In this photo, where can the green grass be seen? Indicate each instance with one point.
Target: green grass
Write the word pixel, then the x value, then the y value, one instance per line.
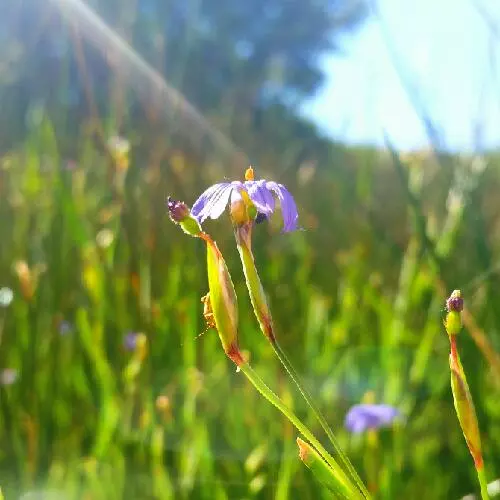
pixel 356 314
pixel 357 301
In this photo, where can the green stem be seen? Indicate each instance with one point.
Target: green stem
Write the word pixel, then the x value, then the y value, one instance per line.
pixel 263 313
pixel 350 490
pixel 482 482
pixel 345 462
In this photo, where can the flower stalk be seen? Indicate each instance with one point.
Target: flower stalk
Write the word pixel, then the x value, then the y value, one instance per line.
pixel 243 236
pixel 252 202
pixel 462 398
pixel 338 476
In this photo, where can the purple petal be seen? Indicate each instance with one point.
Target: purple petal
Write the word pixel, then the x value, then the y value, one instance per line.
pixel 212 202
pixel 130 341
pixel 365 416
pixel 261 196
pixel 288 206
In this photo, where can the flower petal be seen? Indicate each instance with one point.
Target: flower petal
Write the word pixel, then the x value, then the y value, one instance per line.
pixel 288 206
pixel 212 202
pixel 369 416
pixel 261 196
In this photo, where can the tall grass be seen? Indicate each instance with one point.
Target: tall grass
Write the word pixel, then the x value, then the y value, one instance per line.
pixel 357 301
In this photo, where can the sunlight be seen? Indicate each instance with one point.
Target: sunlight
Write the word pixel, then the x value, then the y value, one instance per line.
pixel 146 81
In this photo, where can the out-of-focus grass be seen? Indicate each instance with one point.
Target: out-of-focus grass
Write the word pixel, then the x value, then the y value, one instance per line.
pixel 357 308
pixel 357 299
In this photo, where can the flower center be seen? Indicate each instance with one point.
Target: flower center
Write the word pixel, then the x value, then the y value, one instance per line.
pixel 249 174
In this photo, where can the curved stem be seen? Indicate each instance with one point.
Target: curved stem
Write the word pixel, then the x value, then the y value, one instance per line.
pixel 263 314
pixel 350 491
pixel 317 413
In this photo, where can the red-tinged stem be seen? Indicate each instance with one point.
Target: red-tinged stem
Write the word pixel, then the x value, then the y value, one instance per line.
pixel 454 352
pixel 234 354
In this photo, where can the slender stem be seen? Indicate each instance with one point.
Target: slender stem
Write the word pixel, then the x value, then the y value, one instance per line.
pixel 317 413
pixel 263 313
pixel 482 482
pixel 351 491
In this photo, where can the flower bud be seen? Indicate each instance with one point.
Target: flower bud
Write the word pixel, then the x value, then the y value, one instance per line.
pixel 454 306
pixel 180 214
pixel 465 410
pixel 177 210
pixel 254 285
pixel 455 302
pixel 323 473
pixel 223 301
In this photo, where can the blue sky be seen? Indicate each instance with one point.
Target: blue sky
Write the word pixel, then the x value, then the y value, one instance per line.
pixel 449 56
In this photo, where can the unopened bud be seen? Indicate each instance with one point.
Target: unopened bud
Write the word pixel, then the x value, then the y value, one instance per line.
pixel 323 473
pixel 253 282
pixel 180 214
pixel 455 302
pixel 465 410
pixel 223 301
pixel 454 306
pixel 177 210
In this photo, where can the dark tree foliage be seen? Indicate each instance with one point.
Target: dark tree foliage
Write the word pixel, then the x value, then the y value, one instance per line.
pixel 233 60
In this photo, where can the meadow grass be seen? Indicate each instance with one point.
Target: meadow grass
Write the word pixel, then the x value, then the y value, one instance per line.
pixel 357 300
pixel 83 417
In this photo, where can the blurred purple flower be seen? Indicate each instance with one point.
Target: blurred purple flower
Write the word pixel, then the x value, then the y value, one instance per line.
pixel 214 200
pixel 130 341
pixel 65 327
pixel 8 376
pixel 369 416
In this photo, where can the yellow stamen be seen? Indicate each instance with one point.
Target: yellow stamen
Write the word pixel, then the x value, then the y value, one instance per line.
pixel 245 196
pixel 249 174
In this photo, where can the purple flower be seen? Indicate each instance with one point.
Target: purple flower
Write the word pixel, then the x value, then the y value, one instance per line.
pixel 130 341
pixel 215 199
pixel 65 328
pixel 369 416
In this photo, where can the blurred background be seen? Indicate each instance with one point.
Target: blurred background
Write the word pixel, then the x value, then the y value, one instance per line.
pixel 382 118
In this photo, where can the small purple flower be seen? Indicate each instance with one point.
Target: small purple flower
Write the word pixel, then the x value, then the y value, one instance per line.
pixel 130 341
pixel 8 376
pixel 65 328
pixel 214 200
pixel 369 416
